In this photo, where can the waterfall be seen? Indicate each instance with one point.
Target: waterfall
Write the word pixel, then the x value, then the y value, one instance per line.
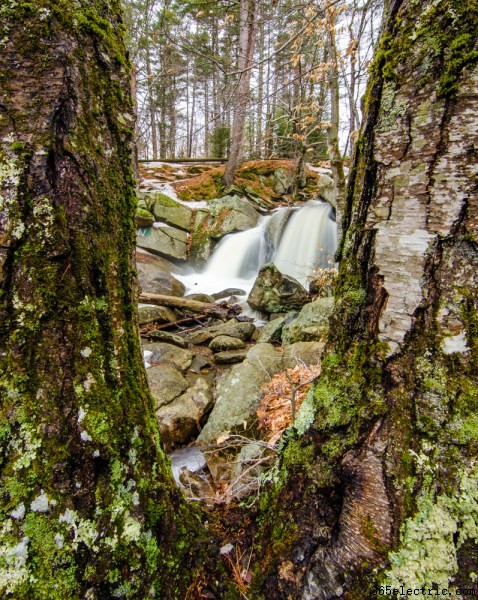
pixel 297 241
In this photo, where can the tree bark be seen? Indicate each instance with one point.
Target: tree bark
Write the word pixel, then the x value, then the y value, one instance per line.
pixel 377 482
pixel 247 37
pixel 89 506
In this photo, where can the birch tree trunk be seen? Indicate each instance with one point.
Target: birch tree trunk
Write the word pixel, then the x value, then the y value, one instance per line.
pixel 89 508
pixel 378 479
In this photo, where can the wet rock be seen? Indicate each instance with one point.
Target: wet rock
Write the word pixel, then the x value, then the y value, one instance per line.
pixel 326 189
pixel 167 210
pixel 149 313
pixel 228 292
pixel 181 419
pixel 167 353
pixel 230 357
pixel 223 215
pixel 275 292
pixel 165 383
pixel 312 323
pixel 225 342
pixel 163 240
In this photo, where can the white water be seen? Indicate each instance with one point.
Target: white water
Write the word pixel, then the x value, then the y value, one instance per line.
pixel 297 241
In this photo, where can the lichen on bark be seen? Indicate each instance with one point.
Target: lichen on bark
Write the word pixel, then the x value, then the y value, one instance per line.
pixel 88 507
pixel 399 380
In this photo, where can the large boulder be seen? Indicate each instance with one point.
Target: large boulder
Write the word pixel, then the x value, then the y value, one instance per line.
pixel 223 215
pixel 167 210
pixel 154 274
pixel 239 389
pixel 238 392
pixel 274 292
pixel 230 214
pixel 163 240
pixel 326 189
pixel 181 419
pixel 312 323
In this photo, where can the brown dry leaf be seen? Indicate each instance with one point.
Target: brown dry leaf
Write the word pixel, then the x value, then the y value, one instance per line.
pixel 275 409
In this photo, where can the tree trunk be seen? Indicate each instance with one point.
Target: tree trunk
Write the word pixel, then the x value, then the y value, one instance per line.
pixel 247 36
pixel 378 480
pixel 89 507
pixel 336 160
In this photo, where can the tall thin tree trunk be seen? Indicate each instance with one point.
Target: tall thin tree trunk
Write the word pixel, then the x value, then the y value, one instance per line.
pixel 333 140
pixel 247 37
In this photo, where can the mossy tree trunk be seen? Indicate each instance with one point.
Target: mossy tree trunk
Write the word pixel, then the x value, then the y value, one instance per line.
pixel 88 506
pixel 378 482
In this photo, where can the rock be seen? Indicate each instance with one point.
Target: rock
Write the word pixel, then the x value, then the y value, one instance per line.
pixel 239 391
pixel 167 210
pixel 224 215
pixel 228 292
pixel 149 313
pixel 229 357
pixel 165 383
pixel 242 330
pixel 164 240
pixel 233 328
pixel 201 298
pixel 154 274
pixel 323 286
pixel 271 333
pixel 307 353
pixel 275 292
pixel 199 337
pixel 143 218
pixel 225 342
pixel 167 353
pixel 231 214
pixel 312 323
pixel 282 182
pixel 181 419
pixel 166 336
pixel 326 189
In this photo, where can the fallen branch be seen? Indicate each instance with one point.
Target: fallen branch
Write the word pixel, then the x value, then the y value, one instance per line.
pixel 185 304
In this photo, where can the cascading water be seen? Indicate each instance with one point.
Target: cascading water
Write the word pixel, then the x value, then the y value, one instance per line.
pixel 297 241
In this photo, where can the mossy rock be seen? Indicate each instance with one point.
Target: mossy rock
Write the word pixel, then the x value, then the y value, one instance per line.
pixel 143 218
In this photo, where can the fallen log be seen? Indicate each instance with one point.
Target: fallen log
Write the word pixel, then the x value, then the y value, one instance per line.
pixel 185 304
